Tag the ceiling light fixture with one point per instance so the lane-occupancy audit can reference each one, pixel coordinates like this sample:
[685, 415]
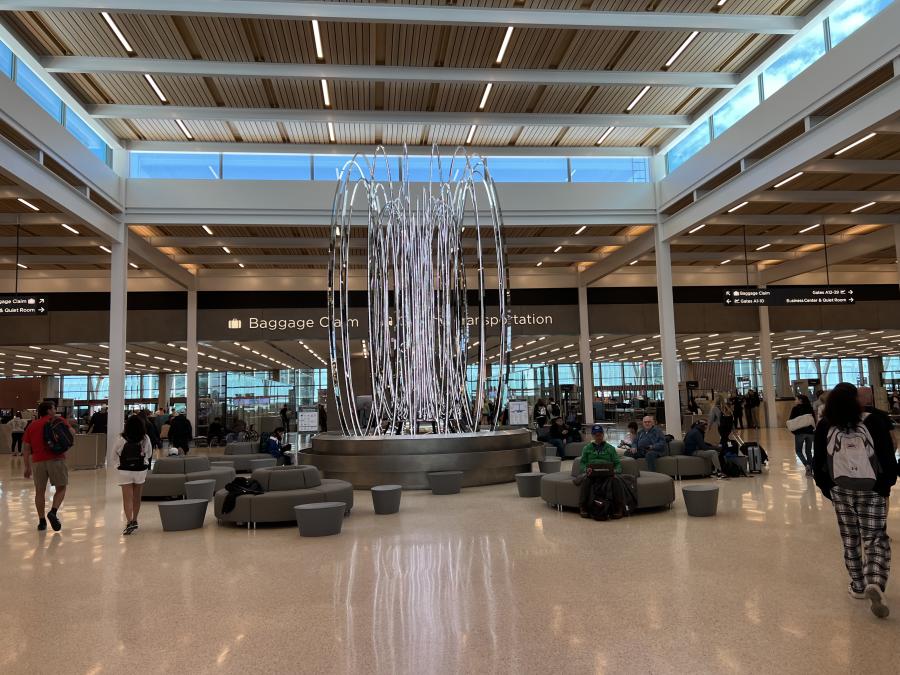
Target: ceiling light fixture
[539, 264]
[637, 98]
[725, 262]
[70, 228]
[133, 266]
[241, 265]
[764, 246]
[557, 249]
[331, 132]
[811, 227]
[789, 179]
[320, 54]
[854, 144]
[864, 206]
[186, 132]
[27, 203]
[605, 135]
[484, 97]
[581, 229]
[739, 206]
[105, 249]
[24, 267]
[471, 134]
[117, 32]
[504, 44]
[633, 262]
[325, 94]
[207, 229]
[155, 87]
[226, 249]
[684, 45]
[697, 229]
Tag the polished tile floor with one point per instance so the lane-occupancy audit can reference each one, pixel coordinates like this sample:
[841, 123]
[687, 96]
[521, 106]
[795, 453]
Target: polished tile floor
[481, 582]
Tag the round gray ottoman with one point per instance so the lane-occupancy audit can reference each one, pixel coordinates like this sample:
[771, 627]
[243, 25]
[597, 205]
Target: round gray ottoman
[320, 519]
[262, 463]
[386, 498]
[701, 500]
[529, 484]
[187, 514]
[445, 482]
[200, 489]
[550, 464]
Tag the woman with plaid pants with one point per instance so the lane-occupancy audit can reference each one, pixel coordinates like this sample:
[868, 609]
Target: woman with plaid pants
[861, 514]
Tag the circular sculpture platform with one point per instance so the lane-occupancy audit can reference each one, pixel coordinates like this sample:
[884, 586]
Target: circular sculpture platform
[485, 457]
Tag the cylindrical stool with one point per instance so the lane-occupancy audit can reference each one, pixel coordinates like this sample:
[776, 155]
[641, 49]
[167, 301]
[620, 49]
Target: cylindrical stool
[264, 463]
[529, 484]
[550, 464]
[386, 498]
[200, 489]
[187, 514]
[701, 500]
[320, 519]
[445, 482]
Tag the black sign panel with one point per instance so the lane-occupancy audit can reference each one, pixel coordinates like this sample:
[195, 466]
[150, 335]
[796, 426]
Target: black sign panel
[21, 305]
[782, 296]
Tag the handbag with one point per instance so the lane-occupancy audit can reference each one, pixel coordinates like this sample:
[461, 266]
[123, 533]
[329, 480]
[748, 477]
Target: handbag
[801, 422]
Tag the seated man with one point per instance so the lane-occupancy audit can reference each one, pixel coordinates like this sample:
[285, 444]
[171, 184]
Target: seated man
[274, 447]
[559, 436]
[695, 444]
[650, 443]
[597, 451]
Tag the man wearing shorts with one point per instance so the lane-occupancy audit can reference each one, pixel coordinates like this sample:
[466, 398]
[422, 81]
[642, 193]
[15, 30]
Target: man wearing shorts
[44, 465]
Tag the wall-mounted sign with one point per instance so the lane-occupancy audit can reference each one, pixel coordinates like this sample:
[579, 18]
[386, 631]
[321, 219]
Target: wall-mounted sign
[23, 305]
[518, 413]
[692, 384]
[308, 419]
[782, 296]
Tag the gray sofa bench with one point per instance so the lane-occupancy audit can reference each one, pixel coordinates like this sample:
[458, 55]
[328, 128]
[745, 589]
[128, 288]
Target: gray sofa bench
[240, 454]
[169, 474]
[676, 464]
[285, 487]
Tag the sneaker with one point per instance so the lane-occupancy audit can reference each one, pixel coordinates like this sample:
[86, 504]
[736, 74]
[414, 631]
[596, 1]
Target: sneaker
[856, 595]
[42, 524]
[54, 521]
[130, 527]
[879, 609]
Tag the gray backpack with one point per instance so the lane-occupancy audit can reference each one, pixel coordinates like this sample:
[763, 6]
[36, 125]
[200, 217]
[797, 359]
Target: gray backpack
[851, 458]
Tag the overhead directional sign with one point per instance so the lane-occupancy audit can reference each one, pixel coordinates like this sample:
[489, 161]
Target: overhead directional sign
[23, 305]
[780, 296]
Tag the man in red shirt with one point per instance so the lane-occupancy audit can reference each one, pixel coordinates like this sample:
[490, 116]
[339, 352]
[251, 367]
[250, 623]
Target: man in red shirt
[45, 466]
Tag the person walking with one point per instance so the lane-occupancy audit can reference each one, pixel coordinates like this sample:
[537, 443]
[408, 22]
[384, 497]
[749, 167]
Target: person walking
[181, 432]
[804, 433]
[737, 405]
[17, 429]
[751, 406]
[854, 466]
[133, 451]
[43, 465]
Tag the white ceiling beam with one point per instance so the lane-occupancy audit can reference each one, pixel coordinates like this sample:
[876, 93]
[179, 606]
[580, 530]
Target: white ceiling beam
[465, 16]
[53, 242]
[35, 219]
[316, 71]
[394, 150]
[296, 259]
[617, 259]
[854, 166]
[171, 112]
[323, 242]
[804, 220]
[861, 246]
[825, 196]
[152, 257]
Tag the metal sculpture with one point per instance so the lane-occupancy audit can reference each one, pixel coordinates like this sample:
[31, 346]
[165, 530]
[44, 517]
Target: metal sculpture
[418, 310]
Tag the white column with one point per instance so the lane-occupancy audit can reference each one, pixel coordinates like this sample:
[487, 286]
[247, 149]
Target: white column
[897, 249]
[666, 305]
[765, 358]
[118, 315]
[584, 354]
[191, 378]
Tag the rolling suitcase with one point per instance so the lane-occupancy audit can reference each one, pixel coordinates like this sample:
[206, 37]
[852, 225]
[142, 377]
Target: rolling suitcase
[754, 458]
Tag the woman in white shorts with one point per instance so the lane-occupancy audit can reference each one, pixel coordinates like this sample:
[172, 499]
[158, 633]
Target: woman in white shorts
[133, 452]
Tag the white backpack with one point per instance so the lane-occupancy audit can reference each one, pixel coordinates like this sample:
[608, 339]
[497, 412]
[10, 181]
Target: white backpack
[851, 458]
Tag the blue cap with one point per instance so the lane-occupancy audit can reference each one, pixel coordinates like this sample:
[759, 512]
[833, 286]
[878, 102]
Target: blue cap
[598, 429]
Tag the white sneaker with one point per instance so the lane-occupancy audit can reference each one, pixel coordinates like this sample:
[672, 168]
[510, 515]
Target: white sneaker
[874, 595]
[854, 594]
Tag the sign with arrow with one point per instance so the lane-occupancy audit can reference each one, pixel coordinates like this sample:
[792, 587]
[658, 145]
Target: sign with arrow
[23, 305]
[782, 296]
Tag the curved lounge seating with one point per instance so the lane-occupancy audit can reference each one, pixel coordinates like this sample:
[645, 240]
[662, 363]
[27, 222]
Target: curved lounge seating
[676, 464]
[169, 475]
[653, 489]
[285, 487]
[240, 454]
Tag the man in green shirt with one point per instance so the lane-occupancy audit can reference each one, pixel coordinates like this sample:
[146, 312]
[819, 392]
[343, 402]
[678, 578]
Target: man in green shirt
[599, 451]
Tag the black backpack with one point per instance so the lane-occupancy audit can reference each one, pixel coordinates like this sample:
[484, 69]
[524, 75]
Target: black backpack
[132, 458]
[240, 486]
[732, 469]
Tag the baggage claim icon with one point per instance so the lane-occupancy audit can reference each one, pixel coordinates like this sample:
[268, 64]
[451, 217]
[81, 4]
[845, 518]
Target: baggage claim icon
[234, 324]
[418, 245]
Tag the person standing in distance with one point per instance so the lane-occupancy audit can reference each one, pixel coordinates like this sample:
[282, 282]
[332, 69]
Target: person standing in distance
[133, 451]
[44, 465]
[854, 466]
[17, 429]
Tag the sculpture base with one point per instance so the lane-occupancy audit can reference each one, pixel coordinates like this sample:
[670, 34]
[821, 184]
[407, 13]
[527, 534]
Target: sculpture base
[485, 457]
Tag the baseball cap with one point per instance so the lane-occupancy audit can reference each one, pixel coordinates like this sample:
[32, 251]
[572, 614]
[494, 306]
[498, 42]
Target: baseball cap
[598, 429]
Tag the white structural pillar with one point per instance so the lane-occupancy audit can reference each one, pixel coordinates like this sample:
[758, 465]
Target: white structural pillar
[584, 355]
[118, 319]
[191, 378]
[666, 304]
[765, 362]
[897, 249]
